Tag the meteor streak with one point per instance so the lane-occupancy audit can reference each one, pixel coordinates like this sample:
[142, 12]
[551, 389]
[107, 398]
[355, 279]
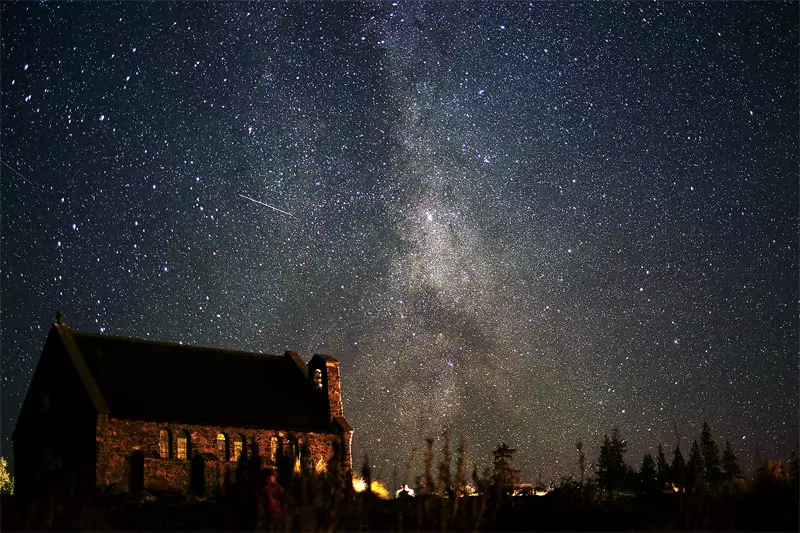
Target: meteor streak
[267, 205]
[18, 174]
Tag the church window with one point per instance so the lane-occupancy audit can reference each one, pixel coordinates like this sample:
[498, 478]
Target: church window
[164, 444]
[184, 445]
[222, 447]
[238, 448]
[274, 443]
[318, 378]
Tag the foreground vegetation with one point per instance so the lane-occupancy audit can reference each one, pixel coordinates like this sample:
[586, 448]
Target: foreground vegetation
[706, 491]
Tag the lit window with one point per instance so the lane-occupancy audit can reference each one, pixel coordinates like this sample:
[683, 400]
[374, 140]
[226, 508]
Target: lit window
[164, 444]
[183, 451]
[273, 449]
[222, 447]
[238, 448]
[318, 378]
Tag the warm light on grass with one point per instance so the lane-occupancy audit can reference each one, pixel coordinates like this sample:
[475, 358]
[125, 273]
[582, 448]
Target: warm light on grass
[378, 488]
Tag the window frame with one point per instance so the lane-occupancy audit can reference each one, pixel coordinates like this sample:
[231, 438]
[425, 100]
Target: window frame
[223, 445]
[164, 432]
[183, 436]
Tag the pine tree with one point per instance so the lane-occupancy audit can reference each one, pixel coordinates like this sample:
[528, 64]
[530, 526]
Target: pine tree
[611, 469]
[695, 474]
[430, 485]
[678, 469]
[605, 466]
[647, 475]
[6, 480]
[581, 460]
[711, 462]
[794, 469]
[619, 447]
[732, 476]
[662, 467]
[445, 484]
[503, 476]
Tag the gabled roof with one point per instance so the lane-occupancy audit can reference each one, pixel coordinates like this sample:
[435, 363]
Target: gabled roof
[145, 380]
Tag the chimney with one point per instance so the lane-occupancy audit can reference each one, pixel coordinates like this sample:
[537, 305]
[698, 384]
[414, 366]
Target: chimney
[323, 373]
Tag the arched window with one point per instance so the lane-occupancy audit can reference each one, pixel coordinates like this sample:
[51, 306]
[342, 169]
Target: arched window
[222, 446]
[318, 378]
[184, 448]
[164, 444]
[274, 443]
[238, 448]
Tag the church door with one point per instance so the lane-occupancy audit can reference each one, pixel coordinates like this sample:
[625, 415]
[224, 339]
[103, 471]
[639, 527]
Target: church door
[197, 478]
[137, 472]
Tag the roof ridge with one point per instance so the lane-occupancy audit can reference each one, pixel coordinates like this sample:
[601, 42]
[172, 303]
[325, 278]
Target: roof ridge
[170, 344]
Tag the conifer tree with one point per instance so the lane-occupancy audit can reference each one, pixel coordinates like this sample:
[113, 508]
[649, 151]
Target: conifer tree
[678, 469]
[695, 475]
[647, 475]
[711, 461]
[732, 476]
[430, 485]
[503, 476]
[611, 469]
[662, 468]
[445, 484]
[6, 480]
[581, 459]
[605, 466]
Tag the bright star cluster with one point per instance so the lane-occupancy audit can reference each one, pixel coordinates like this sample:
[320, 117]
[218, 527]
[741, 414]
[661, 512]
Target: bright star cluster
[523, 222]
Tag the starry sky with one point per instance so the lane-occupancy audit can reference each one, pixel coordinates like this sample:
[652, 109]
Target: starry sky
[523, 222]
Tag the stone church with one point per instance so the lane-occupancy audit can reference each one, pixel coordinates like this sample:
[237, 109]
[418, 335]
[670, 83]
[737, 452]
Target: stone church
[121, 414]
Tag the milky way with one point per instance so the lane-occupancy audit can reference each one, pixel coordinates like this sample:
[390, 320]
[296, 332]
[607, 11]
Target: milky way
[526, 223]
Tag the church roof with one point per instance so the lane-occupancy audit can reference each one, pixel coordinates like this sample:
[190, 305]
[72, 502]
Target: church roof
[157, 381]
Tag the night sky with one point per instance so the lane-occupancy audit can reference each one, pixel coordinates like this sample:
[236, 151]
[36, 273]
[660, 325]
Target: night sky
[524, 222]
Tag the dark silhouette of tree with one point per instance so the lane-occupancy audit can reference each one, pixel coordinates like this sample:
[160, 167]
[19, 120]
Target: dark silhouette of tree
[711, 461]
[648, 475]
[504, 477]
[732, 476]
[445, 484]
[771, 476]
[794, 469]
[581, 459]
[695, 475]
[662, 469]
[605, 465]
[611, 468]
[430, 485]
[460, 475]
[678, 469]
[366, 473]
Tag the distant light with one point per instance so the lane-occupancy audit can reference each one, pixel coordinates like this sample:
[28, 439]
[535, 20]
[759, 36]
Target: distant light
[102, 118]
[404, 489]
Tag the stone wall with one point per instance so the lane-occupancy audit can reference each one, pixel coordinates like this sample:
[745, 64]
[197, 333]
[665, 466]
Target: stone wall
[334, 390]
[118, 439]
